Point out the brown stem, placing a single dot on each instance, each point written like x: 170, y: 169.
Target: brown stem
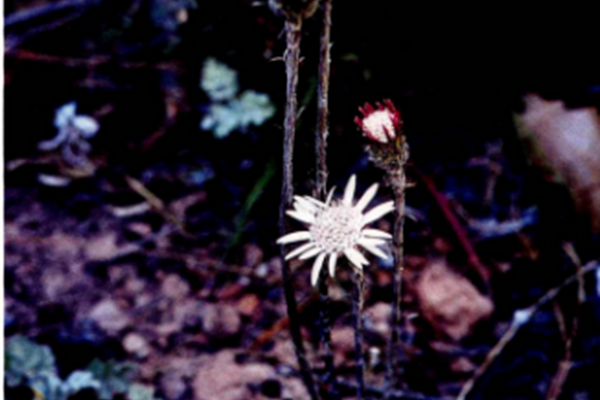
x: 292, y: 60
x: 322, y: 102
x: 320, y: 189
x: 357, y: 307
x: 398, y: 178
x: 329, y: 378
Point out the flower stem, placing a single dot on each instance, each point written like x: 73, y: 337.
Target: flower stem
x: 322, y: 101
x: 357, y: 307
x: 292, y: 60
x: 398, y: 178
x: 321, y: 191
x: 325, y: 327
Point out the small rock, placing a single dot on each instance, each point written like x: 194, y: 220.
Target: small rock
x: 141, y: 229
x: 109, y: 317
x: 450, y: 302
x: 221, y: 377
x: 220, y: 320
x: 136, y: 344
x: 253, y: 255
x: 174, y: 287
x: 378, y: 318
x: 462, y: 366
x: 342, y: 339
x: 248, y: 304
x: 261, y: 270
x: 134, y: 286
x: 102, y: 247
x: 172, y: 385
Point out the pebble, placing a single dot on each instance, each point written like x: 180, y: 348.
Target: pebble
x: 109, y: 316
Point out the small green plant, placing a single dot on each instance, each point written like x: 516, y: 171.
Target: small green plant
x: 32, y: 365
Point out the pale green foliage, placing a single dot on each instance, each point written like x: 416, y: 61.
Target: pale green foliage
x: 25, y: 360
x: 219, y: 81
x: 229, y: 111
x: 140, y: 392
x: 34, y: 365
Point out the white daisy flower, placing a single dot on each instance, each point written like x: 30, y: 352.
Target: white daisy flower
x: 337, y: 228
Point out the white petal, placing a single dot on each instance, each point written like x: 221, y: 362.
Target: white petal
x: 330, y: 196
x: 316, y: 269
x: 366, y: 197
x: 64, y: 114
x: 349, y: 191
x: 376, y: 233
x: 374, y: 241
x: 301, y: 216
x: 310, y: 253
x: 378, y: 212
x: 369, y: 246
x: 294, y: 237
x: 302, y: 208
x: 88, y: 126
x: 300, y: 250
x: 55, y: 142
x: 305, y: 204
x: 332, y: 262
x: 356, y: 257
x: 314, y: 201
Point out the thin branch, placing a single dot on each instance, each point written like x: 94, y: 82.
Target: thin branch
x: 292, y: 61
x: 87, y: 62
x: 322, y: 102
x: 522, y: 317
x: 393, y: 394
x: 48, y: 8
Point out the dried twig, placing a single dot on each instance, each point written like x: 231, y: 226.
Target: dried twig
x: 521, y: 318
x: 457, y: 228
x: 87, y: 62
x: 564, y: 367
x: 393, y: 394
x: 60, y: 9
x: 45, y: 9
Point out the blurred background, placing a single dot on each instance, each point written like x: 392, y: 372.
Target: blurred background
x: 143, y: 144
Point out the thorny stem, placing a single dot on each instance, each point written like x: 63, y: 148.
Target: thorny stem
x: 292, y: 60
x: 322, y: 102
x: 325, y: 327
x: 357, y: 307
x: 398, y: 178
x: 517, y: 324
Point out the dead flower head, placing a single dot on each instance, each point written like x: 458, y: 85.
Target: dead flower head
x: 381, y: 124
